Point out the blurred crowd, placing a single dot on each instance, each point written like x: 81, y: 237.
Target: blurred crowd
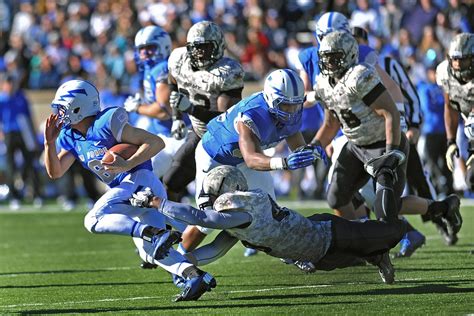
x: 46, y: 42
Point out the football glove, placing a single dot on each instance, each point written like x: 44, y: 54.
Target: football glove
x: 179, y: 130
x: 318, y: 152
x: 180, y: 102
x: 142, y: 199
x: 132, y: 103
x: 390, y: 160
x: 453, y: 151
x: 298, y: 160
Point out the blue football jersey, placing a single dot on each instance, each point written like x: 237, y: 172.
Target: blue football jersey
x: 221, y: 141
x: 105, y: 132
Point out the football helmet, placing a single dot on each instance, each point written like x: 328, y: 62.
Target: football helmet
x: 220, y: 180
x: 462, y: 49
x: 205, y: 44
x: 75, y: 100
x: 157, y: 40
x: 338, y: 51
x: 330, y: 22
x: 283, y: 91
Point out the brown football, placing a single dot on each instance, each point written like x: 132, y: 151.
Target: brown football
x: 123, y: 150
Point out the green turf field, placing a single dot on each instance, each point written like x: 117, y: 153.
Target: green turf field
x: 50, y: 264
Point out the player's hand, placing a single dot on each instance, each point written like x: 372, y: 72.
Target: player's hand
x: 179, y: 130
x: 180, y: 102
x: 299, y: 159
x: 118, y: 165
x: 142, y: 198
x: 52, y: 128
x: 318, y: 152
x: 453, y: 151
x: 132, y: 103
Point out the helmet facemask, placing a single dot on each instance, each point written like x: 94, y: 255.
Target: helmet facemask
x: 461, y: 57
x: 152, y: 45
x: 202, y: 54
x: 205, y: 44
x: 286, y: 110
x: 337, y: 53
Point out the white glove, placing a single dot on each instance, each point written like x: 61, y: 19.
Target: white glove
x: 141, y: 198
x: 311, y: 97
x: 179, y: 130
x: 469, y: 126
x: 180, y: 102
x: 452, y: 151
x: 132, y: 103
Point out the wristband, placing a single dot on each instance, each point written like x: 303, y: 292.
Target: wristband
x: 451, y: 141
x: 277, y: 163
x: 390, y: 147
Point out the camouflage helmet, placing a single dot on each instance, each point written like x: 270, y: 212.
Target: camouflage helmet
x: 205, y: 44
x: 462, y: 48
x: 338, y: 51
x: 218, y: 181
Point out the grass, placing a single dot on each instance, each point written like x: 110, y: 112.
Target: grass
x: 50, y: 264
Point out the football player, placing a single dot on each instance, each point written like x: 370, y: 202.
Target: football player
x: 253, y: 217
x: 83, y: 132
x: 239, y: 136
x: 152, y: 50
x: 456, y: 76
x: 204, y: 84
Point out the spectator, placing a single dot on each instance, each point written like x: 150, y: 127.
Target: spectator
x: 20, y: 137
x: 415, y: 20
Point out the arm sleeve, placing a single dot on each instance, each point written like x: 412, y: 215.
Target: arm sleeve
x: 214, y: 250
x: 206, y: 218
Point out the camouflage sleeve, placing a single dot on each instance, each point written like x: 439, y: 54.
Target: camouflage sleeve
x: 174, y: 61
x: 117, y: 122
x: 365, y: 83
x: 233, y: 76
x: 442, y: 74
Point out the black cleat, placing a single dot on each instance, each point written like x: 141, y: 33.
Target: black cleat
x: 449, y: 239
x: 386, y: 269
x: 453, y: 218
x: 148, y: 266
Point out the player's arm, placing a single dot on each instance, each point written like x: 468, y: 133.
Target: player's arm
x: 390, y: 84
x: 250, y: 148
x: 159, y: 109
x: 205, y: 218
x: 451, y: 119
x: 384, y: 106
x: 295, y: 141
x: 56, y: 164
x: 149, y: 145
x: 328, y: 129
x: 214, y: 250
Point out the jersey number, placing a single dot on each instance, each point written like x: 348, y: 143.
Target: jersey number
x: 201, y: 98
x: 97, y: 167
x: 349, y: 118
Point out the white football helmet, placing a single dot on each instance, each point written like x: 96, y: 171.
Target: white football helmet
x: 284, y: 87
x: 153, y: 36
x: 330, y: 22
x: 205, y: 44
x: 75, y: 100
x: 338, y: 51
x: 462, y: 48
x: 220, y: 180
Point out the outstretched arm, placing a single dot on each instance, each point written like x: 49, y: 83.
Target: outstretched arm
x: 205, y: 218
x: 214, y: 250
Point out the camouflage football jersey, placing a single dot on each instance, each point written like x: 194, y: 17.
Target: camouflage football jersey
x: 280, y: 232
x: 203, y: 87
x: 461, y: 97
x: 360, y: 124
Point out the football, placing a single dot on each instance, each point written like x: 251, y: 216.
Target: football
x: 123, y: 150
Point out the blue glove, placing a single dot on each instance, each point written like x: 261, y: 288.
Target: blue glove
x: 318, y: 152
x: 299, y: 159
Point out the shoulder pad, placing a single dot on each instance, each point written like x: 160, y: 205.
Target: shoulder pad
x: 176, y: 59
x: 230, y: 72
x: 362, y: 78
x: 239, y: 201
x: 442, y: 74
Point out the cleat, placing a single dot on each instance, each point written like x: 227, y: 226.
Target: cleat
x: 148, y: 266
x: 163, y: 241
x: 180, y: 282
x: 250, y: 252
x: 453, y: 218
x: 194, y: 288
x: 386, y: 269
x: 410, y: 243
x: 305, y: 266
x: 449, y: 239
